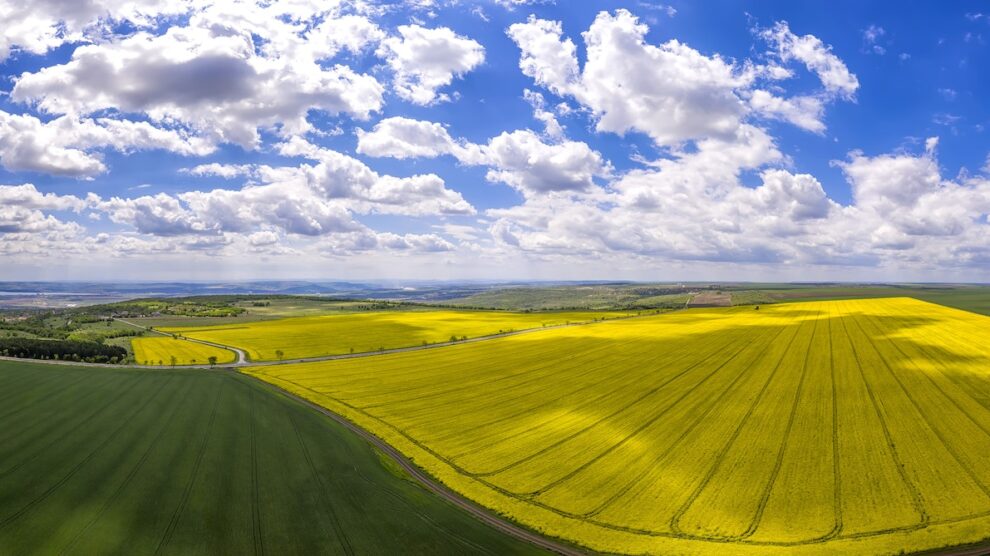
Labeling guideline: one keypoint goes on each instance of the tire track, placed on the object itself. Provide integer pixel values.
(517, 531)
(941, 437)
(122, 486)
(32, 396)
(684, 436)
(14, 431)
(917, 499)
(921, 347)
(836, 462)
(603, 419)
(768, 491)
(591, 402)
(434, 393)
(259, 538)
(177, 513)
(79, 465)
(675, 520)
(67, 433)
(676, 357)
(339, 532)
(482, 514)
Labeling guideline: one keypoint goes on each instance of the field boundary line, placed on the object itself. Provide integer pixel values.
(481, 513)
(486, 515)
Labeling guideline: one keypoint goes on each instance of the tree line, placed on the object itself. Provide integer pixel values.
(63, 350)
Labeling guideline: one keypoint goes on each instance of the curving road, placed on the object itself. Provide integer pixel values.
(243, 361)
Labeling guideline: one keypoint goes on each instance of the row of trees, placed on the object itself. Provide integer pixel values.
(64, 350)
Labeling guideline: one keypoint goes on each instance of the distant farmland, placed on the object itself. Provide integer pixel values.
(314, 336)
(159, 350)
(854, 426)
(97, 461)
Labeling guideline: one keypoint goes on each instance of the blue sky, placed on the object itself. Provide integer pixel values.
(495, 140)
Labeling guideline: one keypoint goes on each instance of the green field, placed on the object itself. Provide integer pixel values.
(836, 427)
(258, 308)
(592, 296)
(372, 331)
(96, 461)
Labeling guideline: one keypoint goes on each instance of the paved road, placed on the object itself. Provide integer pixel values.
(243, 361)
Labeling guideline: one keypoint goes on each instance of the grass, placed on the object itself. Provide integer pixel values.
(592, 296)
(159, 350)
(198, 462)
(803, 428)
(263, 308)
(363, 332)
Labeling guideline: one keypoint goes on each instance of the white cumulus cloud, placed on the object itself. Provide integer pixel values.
(425, 60)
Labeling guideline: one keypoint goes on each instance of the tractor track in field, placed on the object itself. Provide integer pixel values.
(925, 417)
(76, 426)
(420, 476)
(917, 500)
(779, 461)
(674, 523)
(339, 532)
(258, 533)
(187, 491)
(166, 423)
(79, 464)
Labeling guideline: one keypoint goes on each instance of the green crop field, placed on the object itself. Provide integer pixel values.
(363, 332)
(803, 428)
(97, 461)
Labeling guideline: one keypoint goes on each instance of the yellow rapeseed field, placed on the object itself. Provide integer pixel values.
(159, 350)
(314, 336)
(808, 428)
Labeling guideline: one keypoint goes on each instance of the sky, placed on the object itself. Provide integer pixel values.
(499, 140)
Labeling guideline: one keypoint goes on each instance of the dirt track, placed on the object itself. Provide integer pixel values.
(433, 486)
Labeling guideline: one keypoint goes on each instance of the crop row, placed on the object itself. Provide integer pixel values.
(848, 423)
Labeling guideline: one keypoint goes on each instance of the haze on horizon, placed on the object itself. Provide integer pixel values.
(501, 140)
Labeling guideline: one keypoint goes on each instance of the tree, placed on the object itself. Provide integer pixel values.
(213, 360)
(173, 360)
(279, 354)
